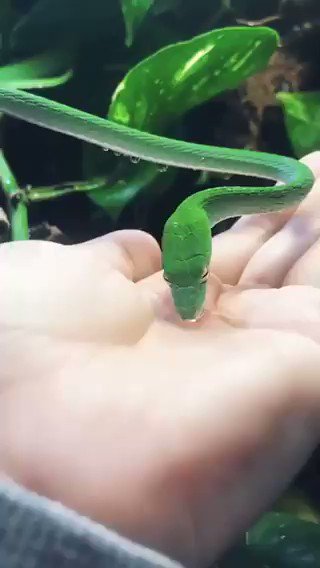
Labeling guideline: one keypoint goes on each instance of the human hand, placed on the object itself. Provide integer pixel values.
(176, 435)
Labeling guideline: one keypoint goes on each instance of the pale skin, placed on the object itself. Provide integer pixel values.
(178, 436)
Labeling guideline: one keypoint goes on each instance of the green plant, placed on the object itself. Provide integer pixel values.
(154, 95)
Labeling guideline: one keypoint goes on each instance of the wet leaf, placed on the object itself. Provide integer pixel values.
(134, 12)
(48, 69)
(157, 92)
(302, 118)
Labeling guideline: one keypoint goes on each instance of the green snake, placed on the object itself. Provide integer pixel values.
(186, 240)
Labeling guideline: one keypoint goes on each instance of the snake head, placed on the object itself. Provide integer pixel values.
(186, 245)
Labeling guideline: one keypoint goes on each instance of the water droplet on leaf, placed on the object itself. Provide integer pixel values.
(163, 168)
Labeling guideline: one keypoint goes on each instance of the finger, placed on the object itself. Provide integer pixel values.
(306, 271)
(313, 161)
(134, 253)
(70, 292)
(233, 249)
(272, 262)
(292, 308)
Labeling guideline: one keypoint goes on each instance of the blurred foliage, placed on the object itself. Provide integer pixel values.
(133, 13)
(285, 541)
(49, 69)
(287, 537)
(302, 115)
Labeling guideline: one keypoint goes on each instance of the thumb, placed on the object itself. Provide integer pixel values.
(73, 291)
(134, 253)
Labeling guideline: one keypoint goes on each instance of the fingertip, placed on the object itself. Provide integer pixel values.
(312, 160)
(142, 251)
(135, 253)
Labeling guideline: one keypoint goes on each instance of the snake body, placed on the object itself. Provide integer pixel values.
(186, 241)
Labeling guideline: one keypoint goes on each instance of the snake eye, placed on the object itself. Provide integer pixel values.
(204, 276)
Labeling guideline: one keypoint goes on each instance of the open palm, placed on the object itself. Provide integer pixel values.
(176, 435)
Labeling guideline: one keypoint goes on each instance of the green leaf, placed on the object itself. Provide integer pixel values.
(48, 69)
(134, 12)
(180, 77)
(277, 540)
(302, 118)
(162, 88)
(286, 541)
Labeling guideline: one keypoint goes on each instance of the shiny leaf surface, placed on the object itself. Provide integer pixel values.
(157, 92)
(182, 76)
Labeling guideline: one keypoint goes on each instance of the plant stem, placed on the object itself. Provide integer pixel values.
(17, 202)
(55, 191)
(19, 222)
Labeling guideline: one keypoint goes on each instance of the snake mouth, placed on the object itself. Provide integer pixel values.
(195, 319)
(189, 301)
